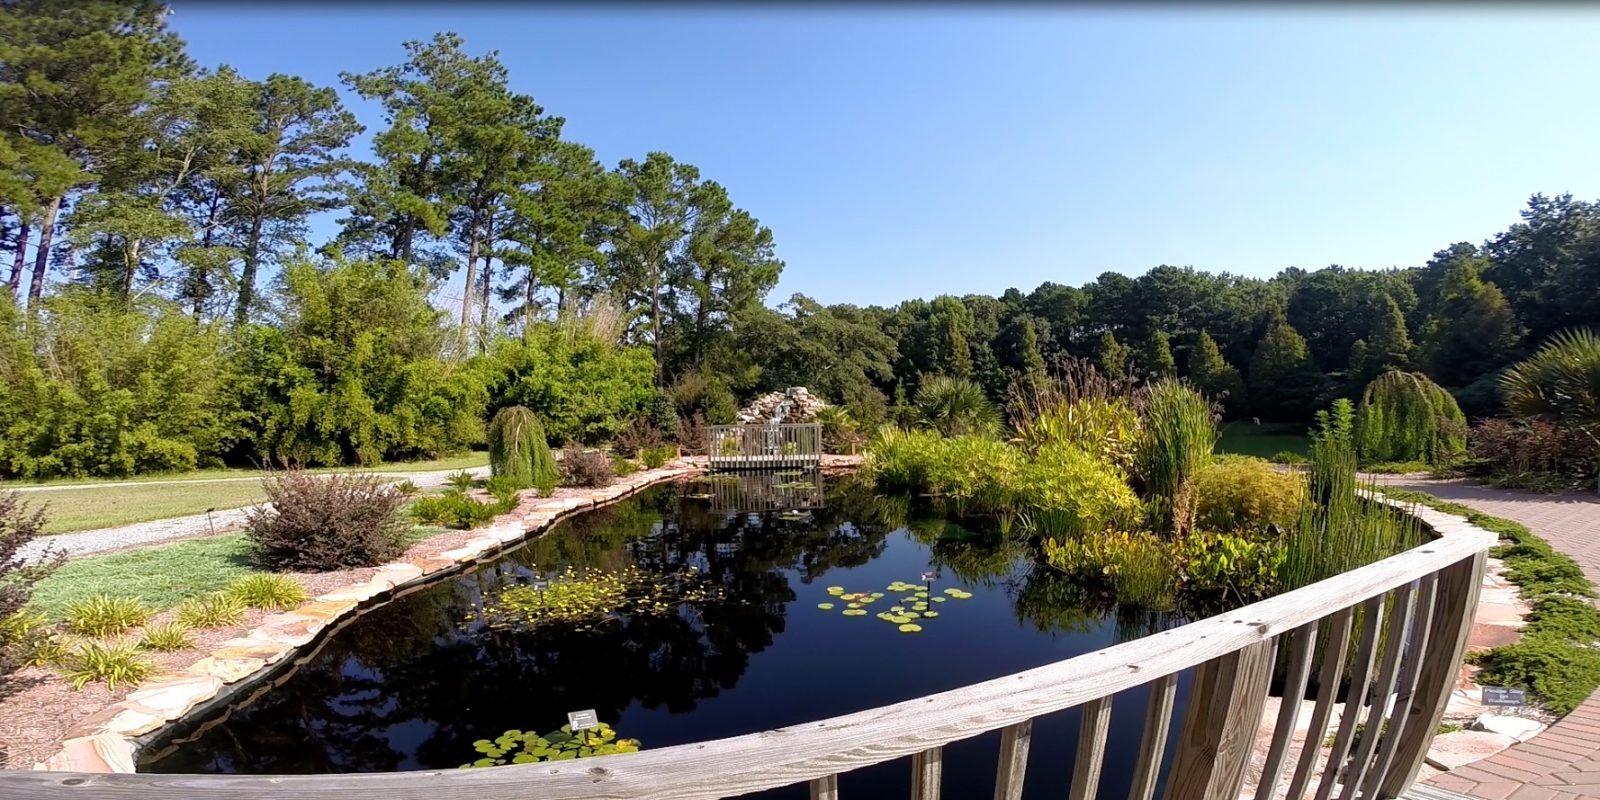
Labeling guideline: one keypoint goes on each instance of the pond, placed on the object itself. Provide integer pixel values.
(412, 684)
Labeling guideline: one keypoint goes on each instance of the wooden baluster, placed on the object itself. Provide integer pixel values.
(1153, 742)
(1399, 632)
(1366, 654)
(1427, 595)
(1013, 761)
(1219, 727)
(1452, 621)
(927, 773)
(1091, 749)
(825, 788)
(1294, 690)
(1328, 678)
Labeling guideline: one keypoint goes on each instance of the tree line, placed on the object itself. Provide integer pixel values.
(166, 306)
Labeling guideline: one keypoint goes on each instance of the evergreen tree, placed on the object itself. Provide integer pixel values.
(1110, 357)
(1388, 343)
(1472, 331)
(1155, 359)
(1209, 371)
(1284, 383)
(1032, 359)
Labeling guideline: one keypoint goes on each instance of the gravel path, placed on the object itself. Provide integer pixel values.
(103, 539)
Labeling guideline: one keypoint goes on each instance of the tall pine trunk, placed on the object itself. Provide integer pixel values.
(199, 282)
(130, 266)
(470, 283)
(41, 259)
(655, 320)
(19, 263)
(247, 276)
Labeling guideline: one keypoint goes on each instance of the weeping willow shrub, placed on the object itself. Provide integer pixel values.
(1404, 416)
(1335, 530)
(1180, 434)
(518, 450)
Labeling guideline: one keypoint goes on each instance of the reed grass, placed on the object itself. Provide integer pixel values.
(1180, 436)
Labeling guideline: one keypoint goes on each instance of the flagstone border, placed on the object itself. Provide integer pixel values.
(109, 740)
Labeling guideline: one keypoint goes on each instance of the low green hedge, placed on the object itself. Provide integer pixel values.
(1556, 659)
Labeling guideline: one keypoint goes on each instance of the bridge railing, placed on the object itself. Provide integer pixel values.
(788, 444)
(1392, 631)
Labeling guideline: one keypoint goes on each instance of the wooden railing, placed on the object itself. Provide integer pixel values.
(789, 444)
(1409, 615)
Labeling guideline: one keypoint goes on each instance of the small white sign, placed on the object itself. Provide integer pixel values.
(583, 720)
(929, 577)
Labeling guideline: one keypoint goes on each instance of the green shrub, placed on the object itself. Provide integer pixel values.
(1405, 417)
(407, 488)
(329, 522)
(117, 663)
(582, 386)
(1241, 493)
(461, 480)
(586, 468)
(703, 393)
(27, 640)
(1289, 457)
(955, 406)
(104, 615)
(656, 457)
(1066, 491)
(518, 451)
(623, 467)
(504, 490)
(1180, 434)
(277, 592)
(639, 436)
(213, 611)
(840, 433)
(1561, 672)
(166, 637)
(1564, 617)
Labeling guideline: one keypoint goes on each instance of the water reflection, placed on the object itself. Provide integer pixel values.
(412, 683)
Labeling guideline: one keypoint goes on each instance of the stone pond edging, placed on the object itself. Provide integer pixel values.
(110, 739)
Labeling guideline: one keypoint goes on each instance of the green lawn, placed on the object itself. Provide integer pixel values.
(162, 575)
(1265, 441)
(92, 505)
(466, 461)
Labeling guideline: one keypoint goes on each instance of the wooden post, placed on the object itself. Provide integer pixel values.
(826, 788)
(1153, 742)
(1219, 727)
(1456, 601)
(1091, 749)
(927, 773)
(1013, 761)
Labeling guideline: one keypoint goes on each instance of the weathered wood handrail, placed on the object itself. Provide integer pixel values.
(1232, 654)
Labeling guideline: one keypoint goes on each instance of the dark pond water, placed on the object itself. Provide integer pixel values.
(412, 684)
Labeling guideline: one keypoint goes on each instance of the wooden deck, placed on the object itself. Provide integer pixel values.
(1395, 629)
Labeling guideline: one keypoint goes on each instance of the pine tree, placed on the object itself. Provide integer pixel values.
(1156, 357)
(1472, 331)
(1388, 344)
(1214, 375)
(1032, 359)
(1110, 357)
(1284, 383)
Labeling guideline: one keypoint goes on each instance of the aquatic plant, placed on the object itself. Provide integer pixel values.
(517, 747)
(1239, 568)
(277, 592)
(1138, 569)
(591, 598)
(899, 459)
(1180, 434)
(914, 605)
(104, 615)
(1108, 428)
(518, 451)
(1404, 416)
(115, 663)
(1066, 491)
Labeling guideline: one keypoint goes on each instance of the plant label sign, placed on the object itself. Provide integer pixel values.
(929, 577)
(583, 720)
(1497, 696)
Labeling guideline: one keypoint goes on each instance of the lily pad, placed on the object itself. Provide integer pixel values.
(835, 590)
(854, 612)
(930, 614)
(825, 606)
(937, 599)
(855, 605)
(910, 628)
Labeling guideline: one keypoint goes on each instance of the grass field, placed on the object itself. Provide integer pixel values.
(89, 506)
(163, 575)
(466, 461)
(1265, 441)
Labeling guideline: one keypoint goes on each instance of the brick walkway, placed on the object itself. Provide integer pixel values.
(1563, 763)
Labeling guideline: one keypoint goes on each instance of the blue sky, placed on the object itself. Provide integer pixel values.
(902, 150)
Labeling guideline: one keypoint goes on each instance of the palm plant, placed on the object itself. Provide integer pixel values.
(955, 406)
(1560, 383)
